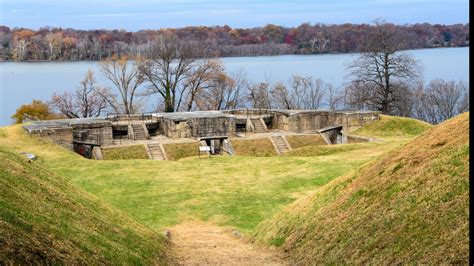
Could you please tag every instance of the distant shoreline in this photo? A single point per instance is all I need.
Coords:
(336, 53)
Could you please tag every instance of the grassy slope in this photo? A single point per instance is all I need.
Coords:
(124, 153)
(393, 126)
(298, 141)
(176, 151)
(253, 147)
(411, 205)
(44, 219)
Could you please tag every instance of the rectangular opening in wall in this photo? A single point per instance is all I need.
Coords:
(268, 122)
(120, 133)
(240, 127)
(152, 129)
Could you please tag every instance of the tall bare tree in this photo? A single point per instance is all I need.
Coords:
(201, 79)
(224, 92)
(168, 69)
(127, 80)
(85, 101)
(383, 70)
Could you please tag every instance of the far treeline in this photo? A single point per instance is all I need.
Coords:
(47, 43)
(383, 78)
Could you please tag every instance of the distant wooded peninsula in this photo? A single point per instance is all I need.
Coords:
(66, 44)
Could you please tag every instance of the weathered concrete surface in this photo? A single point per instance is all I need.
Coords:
(66, 131)
(197, 124)
(182, 125)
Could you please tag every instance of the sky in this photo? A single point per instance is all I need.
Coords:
(133, 15)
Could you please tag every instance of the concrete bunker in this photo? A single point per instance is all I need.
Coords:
(212, 128)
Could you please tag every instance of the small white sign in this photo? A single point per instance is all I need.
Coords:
(204, 148)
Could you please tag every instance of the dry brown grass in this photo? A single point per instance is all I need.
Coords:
(298, 141)
(198, 243)
(409, 206)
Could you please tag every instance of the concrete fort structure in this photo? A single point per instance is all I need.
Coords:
(210, 128)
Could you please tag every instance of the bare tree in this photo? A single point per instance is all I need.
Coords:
(357, 95)
(441, 100)
(224, 92)
(127, 80)
(335, 97)
(85, 101)
(302, 93)
(202, 78)
(464, 103)
(168, 69)
(299, 88)
(314, 95)
(281, 96)
(306, 93)
(382, 68)
(259, 95)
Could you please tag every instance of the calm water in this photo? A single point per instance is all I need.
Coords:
(20, 83)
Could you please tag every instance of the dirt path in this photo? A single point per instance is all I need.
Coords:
(196, 243)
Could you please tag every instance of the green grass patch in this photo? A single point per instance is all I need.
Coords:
(298, 141)
(125, 153)
(389, 126)
(323, 150)
(261, 147)
(176, 151)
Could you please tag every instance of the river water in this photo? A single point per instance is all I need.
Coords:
(21, 82)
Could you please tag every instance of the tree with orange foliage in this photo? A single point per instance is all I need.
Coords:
(37, 110)
(21, 41)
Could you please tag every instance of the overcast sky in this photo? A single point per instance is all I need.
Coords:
(153, 14)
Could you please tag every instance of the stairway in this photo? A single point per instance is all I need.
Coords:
(156, 152)
(258, 127)
(280, 144)
(139, 132)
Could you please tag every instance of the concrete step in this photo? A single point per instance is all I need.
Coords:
(156, 152)
(280, 144)
(139, 132)
(259, 128)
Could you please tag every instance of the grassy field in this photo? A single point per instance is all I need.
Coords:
(46, 220)
(125, 153)
(411, 205)
(238, 191)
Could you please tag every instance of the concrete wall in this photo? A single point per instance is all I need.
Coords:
(60, 136)
(198, 127)
(100, 134)
(353, 121)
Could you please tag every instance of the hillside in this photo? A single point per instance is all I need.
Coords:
(409, 206)
(393, 126)
(44, 219)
